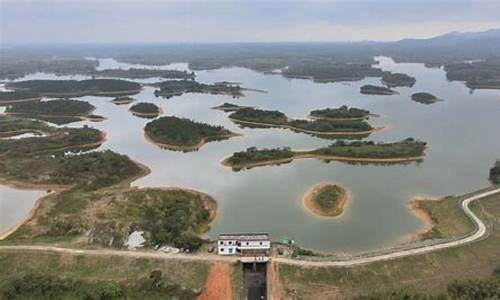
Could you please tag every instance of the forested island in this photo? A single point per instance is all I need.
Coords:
(122, 100)
(183, 134)
(398, 79)
(332, 71)
(60, 111)
(77, 88)
(135, 73)
(267, 118)
(356, 151)
(327, 200)
(482, 74)
(229, 107)
(341, 113)
(9, 98)
(369, 89)
(145, 109)
(171, 88)
(16, 68)
(425, 98)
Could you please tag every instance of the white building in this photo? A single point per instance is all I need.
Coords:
(243, 243)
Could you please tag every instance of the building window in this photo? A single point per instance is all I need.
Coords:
(221, 242)
(247, 243)
(230, 243)
(260, 243)
(221, 249)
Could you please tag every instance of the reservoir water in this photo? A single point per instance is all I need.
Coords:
(461, 131)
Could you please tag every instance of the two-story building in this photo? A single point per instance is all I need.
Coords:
(256, 244)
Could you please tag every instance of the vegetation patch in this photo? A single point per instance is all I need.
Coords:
(398, 79)
(30, 275)
(425, 98)
(183, 134)
(77, 88)
(356, 151)
(9, 98)
(321, 126)
(61, 111)
(326, 200)
(171, 88)
(342, 112)
(145, 109)
(376, 90)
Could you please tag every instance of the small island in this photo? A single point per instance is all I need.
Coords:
(376, 90)
(171, 88)
(9, 98)
(397, 80)
(60, 111)
(425, 98)
(122, 100)
(145, 109)
(229, 107)
(321, 127)
(356, 152)
(495, 173)
(341, 113)
(327, 200)
(183, 134)
(77, 88)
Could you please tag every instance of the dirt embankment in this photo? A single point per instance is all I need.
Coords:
(415, 205)
(218, 284)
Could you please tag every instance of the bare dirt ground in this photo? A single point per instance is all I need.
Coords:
(218, 285)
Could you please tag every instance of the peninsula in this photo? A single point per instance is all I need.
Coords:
(183, 134)
(60, 111)
(77, 88)
(358, 152)
(327, 200)
(321, 127)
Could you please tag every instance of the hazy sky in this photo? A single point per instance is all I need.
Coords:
(230, 21)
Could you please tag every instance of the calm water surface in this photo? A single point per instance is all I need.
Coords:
(461, 132)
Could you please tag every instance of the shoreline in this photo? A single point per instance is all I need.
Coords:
(423, 215)
(307, 154)
(195, 147)
(368, 116)
(308, 201)
(269, 125)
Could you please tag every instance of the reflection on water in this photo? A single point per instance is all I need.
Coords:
(460, 132)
